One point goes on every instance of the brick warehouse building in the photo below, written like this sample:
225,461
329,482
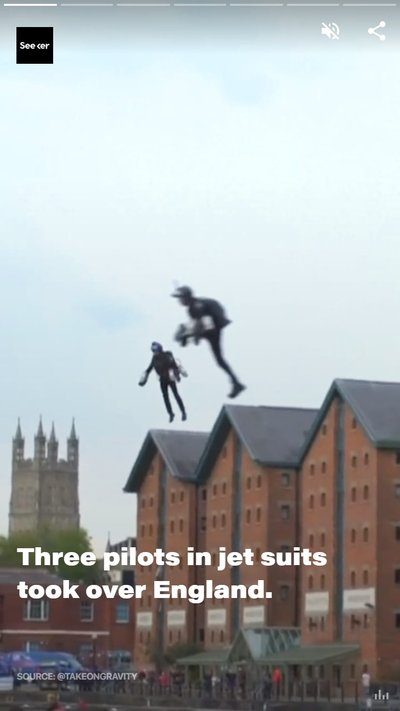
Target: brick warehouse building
89,629
248,476
246,465
348,505
163,478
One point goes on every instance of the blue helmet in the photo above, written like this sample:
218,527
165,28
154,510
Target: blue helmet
156,347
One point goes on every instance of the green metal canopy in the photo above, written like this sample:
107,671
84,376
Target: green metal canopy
213,656
313,655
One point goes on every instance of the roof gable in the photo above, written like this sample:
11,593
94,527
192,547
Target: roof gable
273,436
180,451
376,406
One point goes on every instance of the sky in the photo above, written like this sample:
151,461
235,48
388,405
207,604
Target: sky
267,180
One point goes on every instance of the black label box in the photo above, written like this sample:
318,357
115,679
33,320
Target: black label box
35,45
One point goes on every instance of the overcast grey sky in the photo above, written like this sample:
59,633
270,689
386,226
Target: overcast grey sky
269,181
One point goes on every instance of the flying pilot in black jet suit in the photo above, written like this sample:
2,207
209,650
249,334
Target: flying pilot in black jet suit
169,372
208,320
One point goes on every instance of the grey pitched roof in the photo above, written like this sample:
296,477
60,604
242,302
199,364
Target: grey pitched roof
376,406
32,576
181,452
273,436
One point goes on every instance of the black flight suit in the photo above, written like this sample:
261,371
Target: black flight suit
163,363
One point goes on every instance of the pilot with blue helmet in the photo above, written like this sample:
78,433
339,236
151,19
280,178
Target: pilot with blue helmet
169,372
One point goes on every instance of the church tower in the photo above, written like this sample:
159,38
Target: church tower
45,489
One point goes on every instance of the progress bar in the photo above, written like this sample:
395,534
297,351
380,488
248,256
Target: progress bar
203,4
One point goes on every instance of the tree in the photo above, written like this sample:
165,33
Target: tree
51,541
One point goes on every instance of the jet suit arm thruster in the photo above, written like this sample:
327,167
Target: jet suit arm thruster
143,380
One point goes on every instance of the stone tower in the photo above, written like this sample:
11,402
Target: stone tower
44,490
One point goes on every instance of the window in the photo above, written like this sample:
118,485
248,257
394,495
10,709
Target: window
323,467
397,533
365,577
353,535
172,526
122,612
214,521
258,514
397,490
322,582
312,469
172,497
151,501
323,499
365,535
284,593
215,490
366,458
397,620
324,429
181,496
143,503
397,576
203,523
142,530
397,457
223,520
224,487
37,610
86,611
354,494
204,494
310,582
285,512
311,541
201,634
248,516
354,462
248,483
366,492
323,540
354,424
311,501
181,525
285,479
353,579
259,481
150,529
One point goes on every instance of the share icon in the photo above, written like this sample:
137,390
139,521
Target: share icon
373,30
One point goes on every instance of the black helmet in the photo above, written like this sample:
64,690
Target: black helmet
184,292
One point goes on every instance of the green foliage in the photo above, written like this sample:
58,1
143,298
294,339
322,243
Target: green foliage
51,541
170,657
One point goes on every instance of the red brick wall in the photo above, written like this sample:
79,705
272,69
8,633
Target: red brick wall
318,478
64,630
180,533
